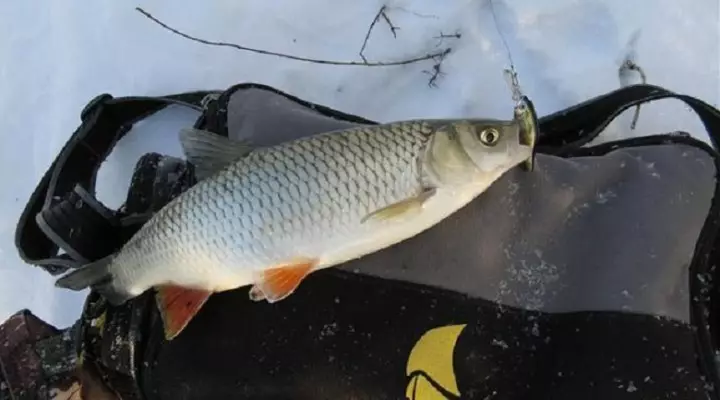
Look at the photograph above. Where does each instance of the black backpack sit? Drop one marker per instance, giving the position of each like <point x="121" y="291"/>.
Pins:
<point x="591" y="278"/>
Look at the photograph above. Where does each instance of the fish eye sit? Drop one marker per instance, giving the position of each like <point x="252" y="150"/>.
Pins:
<point x="489" y="136"/>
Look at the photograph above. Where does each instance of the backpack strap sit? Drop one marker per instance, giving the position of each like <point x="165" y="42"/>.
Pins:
<point x="106" y="122"/>
<point x="62" y="212"/>
<point x="574" y="127"/>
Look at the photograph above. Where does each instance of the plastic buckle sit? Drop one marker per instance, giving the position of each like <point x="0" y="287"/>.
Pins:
<point x="93" y="104"/>
<point x="81" y="226"/>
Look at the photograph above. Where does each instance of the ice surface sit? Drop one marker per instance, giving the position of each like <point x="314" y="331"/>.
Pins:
<point x="58" y="55"/>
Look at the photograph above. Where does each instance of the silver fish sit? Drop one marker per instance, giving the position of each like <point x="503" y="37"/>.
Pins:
<point x="269" y="216"/>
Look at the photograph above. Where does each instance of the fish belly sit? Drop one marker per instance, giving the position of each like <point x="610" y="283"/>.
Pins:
<point x="378" y="235"/>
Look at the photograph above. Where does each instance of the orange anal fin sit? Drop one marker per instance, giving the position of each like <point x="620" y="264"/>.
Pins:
<point x="178" y="306"/>
<point x="278" y="283"/>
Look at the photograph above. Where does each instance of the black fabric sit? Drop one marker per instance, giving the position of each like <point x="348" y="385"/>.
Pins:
<point x="105" y="120"/>
<point x="345" y="336"/>
<point x="576" y="126"/>
<point x="627" y="355"/>
<point x="156" y="180"/>
<point x="361" y="330"/>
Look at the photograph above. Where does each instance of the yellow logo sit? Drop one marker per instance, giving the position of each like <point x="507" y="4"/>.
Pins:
<point x="430" y="365"/>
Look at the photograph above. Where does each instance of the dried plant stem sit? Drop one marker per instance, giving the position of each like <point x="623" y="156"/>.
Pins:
<point x="431" y="56"/>
<point x="630" y="65"/>
<point x="393" y="29"/>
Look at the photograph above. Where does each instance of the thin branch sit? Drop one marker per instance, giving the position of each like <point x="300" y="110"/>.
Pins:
<point x="393" y="28"/>
<point x="291" y="57"/>
<point x="443" y="36"/>
<point x="417" y="14"/>
<point x="631" y="66"/>
<point x="456" y="35"/>
<point x="370" y="28"/>
<point x="436" y="71"/>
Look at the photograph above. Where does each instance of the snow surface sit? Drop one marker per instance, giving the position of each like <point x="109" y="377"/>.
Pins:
<point x="58" y="55"/>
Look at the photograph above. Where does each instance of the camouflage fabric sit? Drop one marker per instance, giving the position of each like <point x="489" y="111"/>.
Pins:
<point x="36" y="360"/>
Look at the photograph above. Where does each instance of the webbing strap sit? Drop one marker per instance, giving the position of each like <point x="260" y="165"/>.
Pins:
<point x="49" y="221"/>
<point x="576" y="126"/>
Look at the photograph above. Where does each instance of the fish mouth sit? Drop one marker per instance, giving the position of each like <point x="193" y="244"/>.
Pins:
<point x="527" y="135"/>
<point x="528" y="138"/>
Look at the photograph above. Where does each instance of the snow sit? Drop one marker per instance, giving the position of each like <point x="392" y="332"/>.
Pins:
<point x="58" y="55"/>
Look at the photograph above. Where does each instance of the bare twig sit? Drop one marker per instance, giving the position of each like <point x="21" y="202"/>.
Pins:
<point x="370" y="28"/>
<point x="436" y="71"/>
<point x="456" y="35"/>
<point x="393" y="28"/>
<point x="380" y="13"/>
<point x="630" y="65"/>
<point x="291" y="57"/>
<point x="417" y="14"/>
<point x="443" y="36"/>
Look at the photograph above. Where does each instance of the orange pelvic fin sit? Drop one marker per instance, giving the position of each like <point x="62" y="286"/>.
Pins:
<point x="178" y="306"/>
<point x="277" y="283"/>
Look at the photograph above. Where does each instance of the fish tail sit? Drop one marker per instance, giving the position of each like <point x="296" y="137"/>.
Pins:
<point x="96" y="275"/>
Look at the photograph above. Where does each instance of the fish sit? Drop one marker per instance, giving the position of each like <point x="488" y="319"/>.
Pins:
<point x="268" y="216"/>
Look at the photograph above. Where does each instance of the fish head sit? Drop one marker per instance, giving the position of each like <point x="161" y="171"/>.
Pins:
<point x="493" y="146"/>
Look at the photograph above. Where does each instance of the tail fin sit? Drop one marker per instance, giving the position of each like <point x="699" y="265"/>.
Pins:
<point x="96" y="275"/>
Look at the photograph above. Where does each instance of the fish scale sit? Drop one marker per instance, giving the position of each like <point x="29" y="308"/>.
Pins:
<point x="269" y="216"/>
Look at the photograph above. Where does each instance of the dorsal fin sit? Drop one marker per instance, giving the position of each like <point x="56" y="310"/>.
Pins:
<point x="210" y="152"/>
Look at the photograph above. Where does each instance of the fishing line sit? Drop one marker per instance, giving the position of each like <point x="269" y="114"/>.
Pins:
<point x="510" y="74"/>
<point x="524" y="111"/>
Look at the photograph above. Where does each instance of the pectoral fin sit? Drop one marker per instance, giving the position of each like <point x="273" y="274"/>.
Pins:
<point x="403" y="208"/>
<point x="178" y="306"/>
<point x="277" y="283"/>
